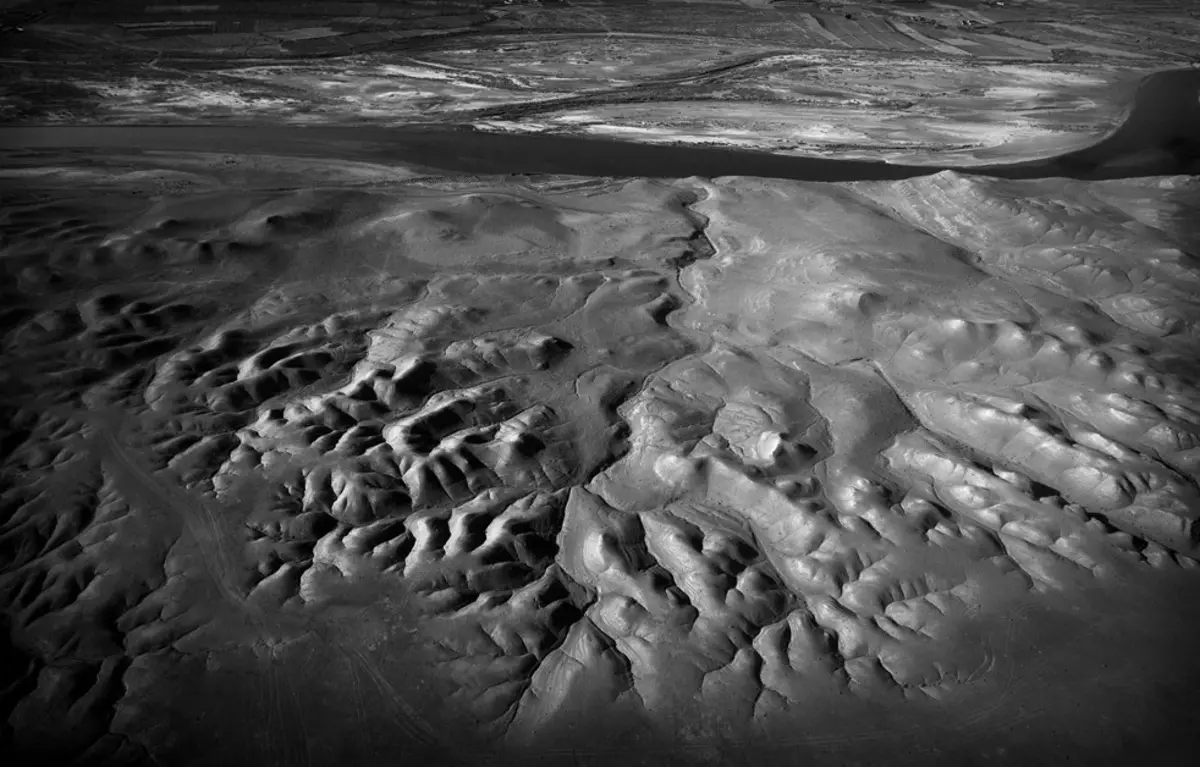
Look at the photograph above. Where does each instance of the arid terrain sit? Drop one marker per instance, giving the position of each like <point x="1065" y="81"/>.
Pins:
<point x="361" y="406"/>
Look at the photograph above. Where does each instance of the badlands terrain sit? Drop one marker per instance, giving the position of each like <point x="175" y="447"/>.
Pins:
<point x="366" y="401"/>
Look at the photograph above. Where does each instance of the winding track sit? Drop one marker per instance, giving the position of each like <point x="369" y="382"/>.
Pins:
<point x="218" y="545"/>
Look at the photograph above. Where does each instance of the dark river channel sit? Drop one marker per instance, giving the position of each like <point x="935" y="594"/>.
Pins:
<point x="1160" y="136"/>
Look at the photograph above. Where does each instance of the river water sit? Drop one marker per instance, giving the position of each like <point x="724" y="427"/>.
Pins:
<point x="1160" y="136"/>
